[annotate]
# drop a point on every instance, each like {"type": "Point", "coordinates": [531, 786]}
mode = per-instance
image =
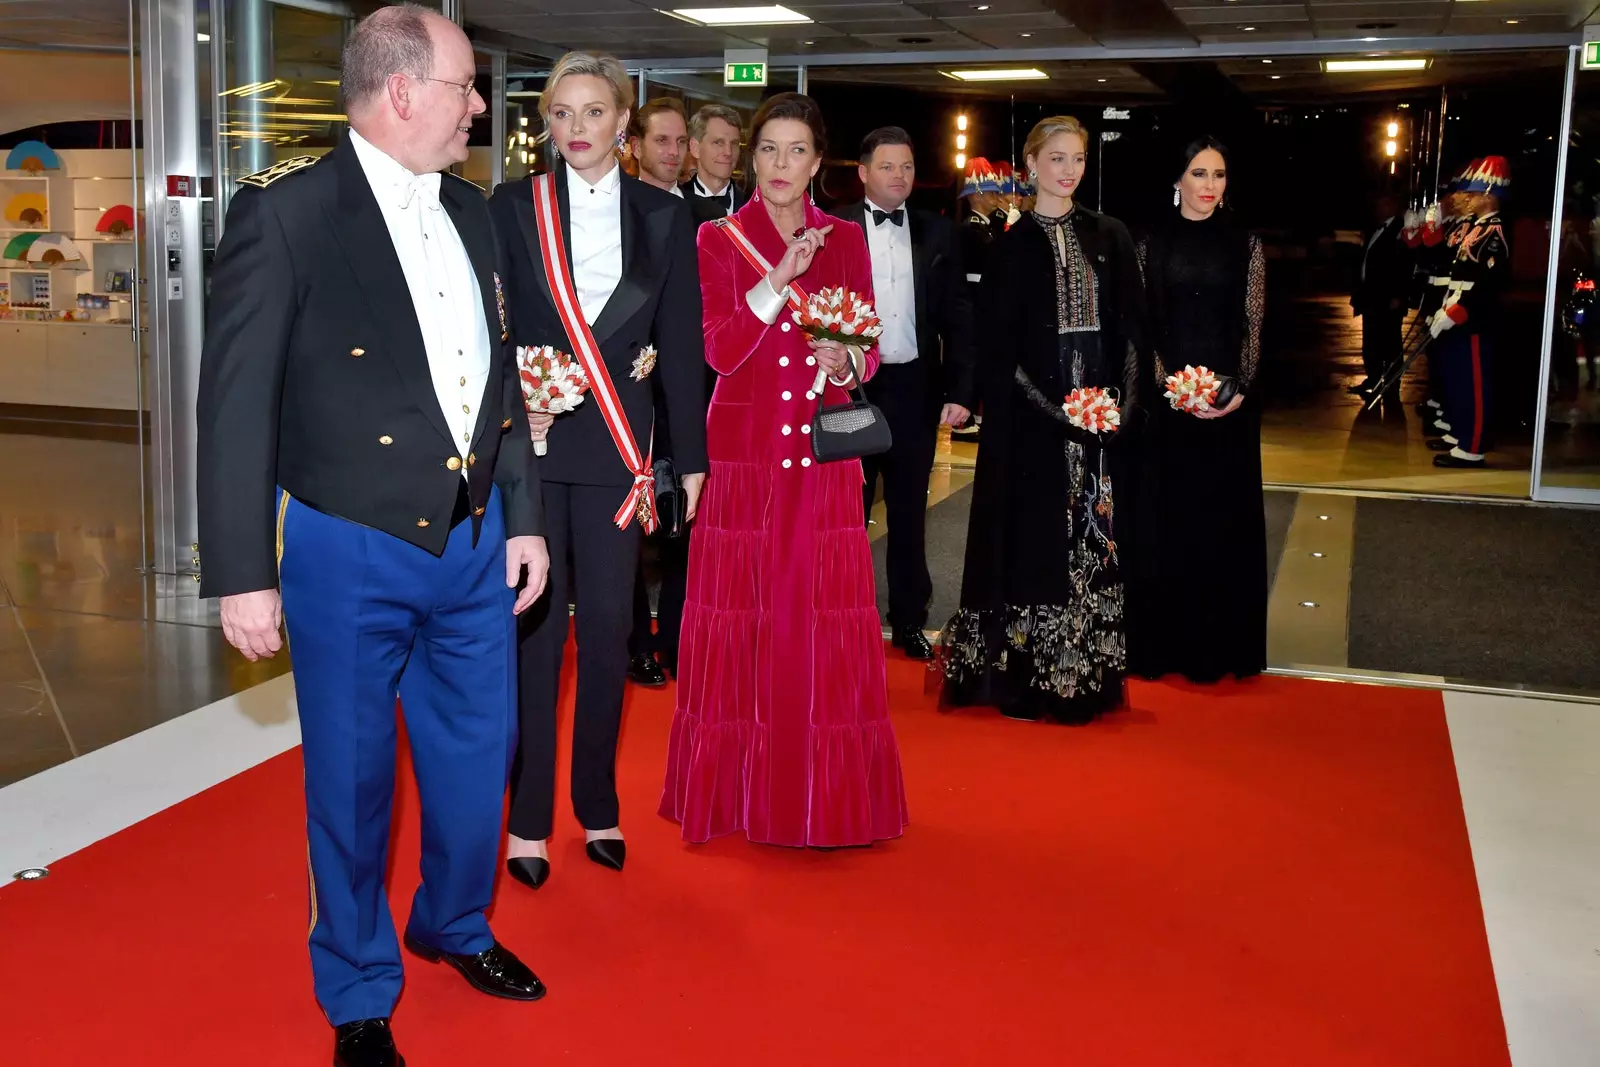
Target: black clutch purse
{"type": "Point", "coordinates": [671, 504]}
{"type": "Point", "coordinates": [850, 430]}
{"type": "Point", "coordinates": [1227, 389]}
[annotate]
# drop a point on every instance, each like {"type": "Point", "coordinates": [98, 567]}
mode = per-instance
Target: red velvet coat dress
{"type": "Point", "coordinates": [782, 727]}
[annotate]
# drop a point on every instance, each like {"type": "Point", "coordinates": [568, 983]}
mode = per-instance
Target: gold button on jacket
{"type": "Point", "coordinates": [454, 463]}
{"type": "Point", "coordinates": [358, 352]}
{"type": "Point", "coordinates": [386, 440]}
{"type": "Point", "coordinates": [422, 523]}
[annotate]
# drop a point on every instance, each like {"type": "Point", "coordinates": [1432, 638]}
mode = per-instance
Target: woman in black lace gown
{"type": "Point", "coordinates": [1197, 585]}
{"type": "Point", "coordinates": [1040, 629]}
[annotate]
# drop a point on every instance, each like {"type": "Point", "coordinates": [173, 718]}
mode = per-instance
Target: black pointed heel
{"type": "Point", "coordinates": [608, 853]}
{"type": "Point", "coordinates": [531, 871]}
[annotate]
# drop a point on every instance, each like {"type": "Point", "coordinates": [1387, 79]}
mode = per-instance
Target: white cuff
{"type": "Point", "coordinates": [765, 301]}
{"type": "Point", "coordinates": [974, 277]}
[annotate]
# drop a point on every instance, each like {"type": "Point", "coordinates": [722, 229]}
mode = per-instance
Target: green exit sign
{"type": "Point", "coordinates": [1591, 55]}
{"type": "Point", "coordinates": [744, 74]}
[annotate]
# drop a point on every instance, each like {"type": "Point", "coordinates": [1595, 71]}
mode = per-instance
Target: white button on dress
{"type": "Point", "coordinates": [785, 327]}
{"type": "Point", "coordinates": [806, 462]}
{"type": "Point", "coordinates": [783, 361]}
{"type": "Point", "coordinates": [787, 395]}
{"type": "Point", "coordinates": [811, 361]}
{"type": "Point", "coordinates": [787, 430]}
{"type": "Point", "coordinates": [788, 463]}
{"type": "Point", "coordinates": [806, 428]}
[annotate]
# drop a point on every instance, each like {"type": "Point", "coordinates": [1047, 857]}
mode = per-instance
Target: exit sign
{"type": "Point", "coordinates": [744, 74]}
{"type": "Point", "coordinates": [1591, 55]}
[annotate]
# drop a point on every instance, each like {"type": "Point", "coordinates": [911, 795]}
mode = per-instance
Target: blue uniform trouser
{"type": "Point", "coordinates": [1467, 362]}
{"type": "Point", "coordinates": [370, 618]}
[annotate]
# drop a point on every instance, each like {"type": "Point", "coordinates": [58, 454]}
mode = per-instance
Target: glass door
{"type": "Point", "coordinates": [1568, 456]}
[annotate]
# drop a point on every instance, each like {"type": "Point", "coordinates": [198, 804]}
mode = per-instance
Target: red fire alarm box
{"type": "Point", "coordinates": [181, 185]}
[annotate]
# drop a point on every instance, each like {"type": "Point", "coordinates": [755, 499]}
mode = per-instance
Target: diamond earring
{"type": "Point", "coordinates": [1177, 198]}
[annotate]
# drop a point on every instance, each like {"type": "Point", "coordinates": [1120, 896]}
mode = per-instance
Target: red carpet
{"type": "Point", "coordinates": [1273, 874]}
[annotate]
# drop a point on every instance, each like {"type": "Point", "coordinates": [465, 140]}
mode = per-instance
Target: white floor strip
{"type": "Point", "coordinates": [71, 806]}
{"type": "Point", "coordinates": [1530, 786]}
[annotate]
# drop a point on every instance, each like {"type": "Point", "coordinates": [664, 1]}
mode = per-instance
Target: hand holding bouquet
{"type": "Point", "coordinates": [840, 316]}
{"type": "Point", "coordinates": [1092, 409]}
{"type": "Point", "coordinates": [1192, 389]}
{"type": "Point", "coordinates": [552, 383]}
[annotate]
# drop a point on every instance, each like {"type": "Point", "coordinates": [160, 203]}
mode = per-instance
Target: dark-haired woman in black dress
{"type": "Point", "coordinates": [1197, 591]}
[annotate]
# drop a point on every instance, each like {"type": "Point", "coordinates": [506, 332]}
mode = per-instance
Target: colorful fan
{"type": "Point", "coordinates": [53, 248]}
{"type": "Point", "coordinates": [28, 209]}
{"type": "Point", "coordinates": [17, 247]}
{"type": "Point", "coordinates": [33, 157]}
{"type": "Point", "coordinates": [117, 221]}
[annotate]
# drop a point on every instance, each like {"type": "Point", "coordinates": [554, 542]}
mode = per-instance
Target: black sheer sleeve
{"type": "Point", "coordinates": [1255, 304]}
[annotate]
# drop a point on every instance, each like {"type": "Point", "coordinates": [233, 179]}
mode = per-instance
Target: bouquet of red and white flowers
{"type": "Point", "coordinates": [1192, 389]}
{"type": "Point", "coordinates": [1092, 409]}
{"type": "Point", "coordinates": [839, 315]}
{"type": "Point", "coordinates": [552, 383]}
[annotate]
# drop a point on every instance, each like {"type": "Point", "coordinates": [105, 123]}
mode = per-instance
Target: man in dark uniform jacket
{"type": "Point", "coordinates": [1380, 297]}
{"type": "Point", "coordinates": [925, 375]}
{"type": "Point", "coordinates": [362, 449]}
{"type": "Point", "coordinates": [714, 135]}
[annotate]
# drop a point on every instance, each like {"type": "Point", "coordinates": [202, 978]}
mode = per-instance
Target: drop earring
{"type": "Point", "coordinates": [1177, 198]}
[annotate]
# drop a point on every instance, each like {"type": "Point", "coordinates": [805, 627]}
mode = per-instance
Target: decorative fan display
{"type": "Point", "coordinates": [116, 221]}
{"type": "Point", "coordinates": [17, 247]}
{"type": "Point", "coordinates": [34, 157]}
{"type": "Point", "coordinates": [53, 248]}
{"type": "Point", "coordinates": [28, 209]}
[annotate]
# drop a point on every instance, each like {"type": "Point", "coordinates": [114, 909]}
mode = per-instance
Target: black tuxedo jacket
{"type": "Point", "coordinates": [314, 377]}
{"type": "Point", "coordinates": [710, 209]}
{"type": "Point", "coordinates": [657, 302]}
{"type": "Point", "coordinates": [943, 303]}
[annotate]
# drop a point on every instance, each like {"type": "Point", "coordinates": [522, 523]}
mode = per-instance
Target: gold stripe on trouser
{"type": "Point", "coordinates": [311, 877]}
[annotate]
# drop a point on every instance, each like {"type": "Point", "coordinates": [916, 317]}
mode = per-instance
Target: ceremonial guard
{"type": "Point", "coordinates": [602, 268]}
{"type": "Point", "coordinates": [360, 448]}
{"type": "Point", "coordinates": [1468, 318]}
{"type": "Point", "coordinates": [1428, 236]}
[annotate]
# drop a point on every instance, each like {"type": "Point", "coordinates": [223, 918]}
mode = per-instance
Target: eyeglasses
{"type": "Point", "coordinates": [466, 88]}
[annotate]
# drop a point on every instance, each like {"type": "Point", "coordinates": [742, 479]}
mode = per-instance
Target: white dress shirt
{"type": "Point", "coordinates": [596, 239]}
{"type": "Point", "coordinates": [444, 287]}
{"type": "Point", "coordinates": [893, 286]}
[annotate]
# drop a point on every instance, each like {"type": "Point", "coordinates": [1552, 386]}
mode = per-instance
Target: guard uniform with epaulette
{"type": "Point", "coordinates": [362, 448]}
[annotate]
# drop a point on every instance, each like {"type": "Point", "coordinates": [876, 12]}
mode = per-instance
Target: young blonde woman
{"type": "Point", "coordinates": [594, 261]}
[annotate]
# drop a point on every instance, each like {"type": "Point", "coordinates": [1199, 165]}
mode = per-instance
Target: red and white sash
{"type": "Point", "coordinates": [640, 502]}
{"type": "Point", "coordinates": [741, 240]}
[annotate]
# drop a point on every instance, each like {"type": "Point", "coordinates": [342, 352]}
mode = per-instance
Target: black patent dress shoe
{"type": "Point", "coordinates": [531, 871]}
{"type": "Point", "coordinates": [913, 642]}
{"type": "Point", "coordinates": [495, 970]}
{"type": "Point", "coordinates": [1448, 460]}
{"type": "Point", "coordinates": [608, 853]}
{"type": "Point", "coordinates": [644, 670]}
{"type": "Point", "coordinates": [365, 1043]}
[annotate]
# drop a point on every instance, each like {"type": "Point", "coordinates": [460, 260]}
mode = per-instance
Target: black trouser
{"type": "Point", "coordinates": [673, 562]}
{"type": "Point", "coordinates": [597, 562]}
{"type": "Point", "coordinates": [1381, 343]}
{"type": "Point", "coordinates": [905, 394]}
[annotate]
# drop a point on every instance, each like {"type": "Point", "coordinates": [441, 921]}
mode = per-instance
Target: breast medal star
{"type": "Point", "coordinates": [644, 363]}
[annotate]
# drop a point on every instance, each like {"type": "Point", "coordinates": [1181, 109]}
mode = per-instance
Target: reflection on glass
{"type": "Point", "coordinates": [1571, 458]}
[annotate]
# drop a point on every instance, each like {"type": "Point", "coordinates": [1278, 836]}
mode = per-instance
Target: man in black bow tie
{"type": "Point", "coordinates": [927, 375]}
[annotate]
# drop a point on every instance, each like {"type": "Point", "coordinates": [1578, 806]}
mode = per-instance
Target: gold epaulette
{"type": "Point", "coordinates": [263, 178]}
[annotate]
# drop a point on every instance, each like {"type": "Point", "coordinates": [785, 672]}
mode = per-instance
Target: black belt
{"type": "Point", "coordinates": [463, 508]}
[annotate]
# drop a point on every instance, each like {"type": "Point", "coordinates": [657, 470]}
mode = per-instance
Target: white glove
{"type": "Point", "coordinates": [1440, 323]}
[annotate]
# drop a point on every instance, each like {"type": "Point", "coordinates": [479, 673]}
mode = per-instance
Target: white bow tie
{"type": "Point", "coordinates": [425, 187]}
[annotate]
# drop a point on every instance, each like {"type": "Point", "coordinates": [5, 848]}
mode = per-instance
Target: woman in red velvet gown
{"type": "Point", "coordinates": [782, 726]}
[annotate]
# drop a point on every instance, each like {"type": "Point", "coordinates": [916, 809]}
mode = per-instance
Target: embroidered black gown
{"type": "Point", "coordinates": [1040, 630]}
{"type": "Point", "coordinates": [1197, 571]}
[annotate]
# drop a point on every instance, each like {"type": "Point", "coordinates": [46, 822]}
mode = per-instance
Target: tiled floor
{"type": "Point", "coordinates": [81, 663]}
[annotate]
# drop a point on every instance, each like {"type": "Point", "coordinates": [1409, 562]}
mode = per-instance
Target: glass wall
{"type": "Point", "coordinates": [1570, 456]}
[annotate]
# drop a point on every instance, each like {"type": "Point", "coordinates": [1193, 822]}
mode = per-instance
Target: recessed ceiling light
{"type": "Point", "coordinates": [1369, 39]}
{"type": "Point", "coordinates": [1358, 66]}
{"type": "Point", "coordinates": [1102, 81]}
{"type": "Point", "coordinates": [1266, 61]}
{"type": "Point", "coordinates": [740, 16]}
{"type": "Point", "coordinates": [1318, 555]}
{"type": "Point", "coordinates": [1025, 35]}
{"type": "Point", "coordinates": [808, 44]}
{"type": "Point", "coordinates": [1277, 77]}
{"type": "Point", "coordinates": [1248, 29]}
{"type": "Point", "coordinates": [980, 7]}
{"type": "Point", "coordinates": [1513, 22]}
{"type": "Point", "coordinates": [1308, 603]}
{"type": "Point", "coordinates": [1004, 74]}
